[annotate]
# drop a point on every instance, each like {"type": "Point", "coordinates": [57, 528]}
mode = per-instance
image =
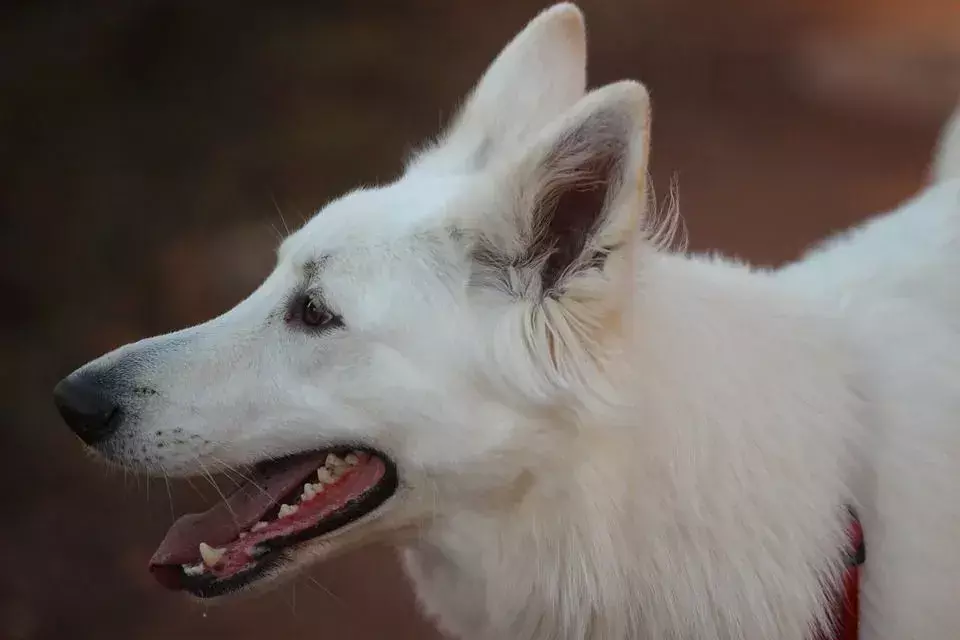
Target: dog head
{"type": "Point", "coordinates": [409, 336]}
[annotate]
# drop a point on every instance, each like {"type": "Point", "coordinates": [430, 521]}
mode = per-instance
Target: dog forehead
{"type": "Point", "coordinates": [387, 219]}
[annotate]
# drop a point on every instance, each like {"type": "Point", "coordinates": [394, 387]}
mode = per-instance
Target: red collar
{"type": "Point", "coordinates": [847, 608]}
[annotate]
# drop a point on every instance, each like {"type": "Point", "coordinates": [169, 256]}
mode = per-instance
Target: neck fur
{"type": "Point", "coordinates": [721, 469]}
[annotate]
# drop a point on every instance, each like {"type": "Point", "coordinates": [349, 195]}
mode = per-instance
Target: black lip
{"type": "Point", "coordinates": [275, 555]}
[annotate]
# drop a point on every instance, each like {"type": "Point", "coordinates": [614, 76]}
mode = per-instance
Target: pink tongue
{"type": "Point", "coordinates": [241, 510]}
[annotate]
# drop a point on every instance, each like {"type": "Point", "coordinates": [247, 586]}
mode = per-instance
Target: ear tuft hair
{"type": "Point", "coordinates": [572, 199]}
{"type": "Point", "coordinates": [583, 170]}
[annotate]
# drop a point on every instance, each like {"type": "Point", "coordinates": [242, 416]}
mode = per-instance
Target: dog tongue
{"type": "Point", "coordinates": [241, 510]}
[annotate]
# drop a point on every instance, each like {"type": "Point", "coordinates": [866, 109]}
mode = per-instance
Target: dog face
{"type": "Point", "coordinates": [409, 335]}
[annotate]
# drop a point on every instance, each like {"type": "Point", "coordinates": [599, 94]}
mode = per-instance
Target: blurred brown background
{"type": "Point", "coordinates": [147, 149]}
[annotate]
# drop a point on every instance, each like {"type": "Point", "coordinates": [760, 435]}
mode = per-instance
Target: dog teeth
{"type": "Point", "coordinates": [260, 525]}
{"type": "Point", "coordinates": [210, 555]}
{"type": "Point", "coordinates": [351, 459]}
{"type": "Point", "coordinates": [193, 570]}
{"type": "Point", "coordinates": [325, 476]}
{"type": "Point", "coordinates": [311, 491]}
{"type": "Point", "coordinates": [243, 534]}
{"type": "Point", "coordinates": [287, 510]}
{"type": "Point", "coordinates": [334, 461]}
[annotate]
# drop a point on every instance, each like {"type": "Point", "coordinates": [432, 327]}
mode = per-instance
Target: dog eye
{"type": "Point", "coordinates": [316, 315]}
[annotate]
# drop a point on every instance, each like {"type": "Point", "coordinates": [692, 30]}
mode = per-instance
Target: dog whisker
{"type": "Point", "coordinates": [216, 487]}
{"type": "Point", "coordinates": [228, 469]}
{"type": "Point", "coordinates": [166, 482]}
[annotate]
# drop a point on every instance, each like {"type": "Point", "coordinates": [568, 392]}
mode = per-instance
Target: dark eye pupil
{"type": "Point", "coordinates": [314, 315]}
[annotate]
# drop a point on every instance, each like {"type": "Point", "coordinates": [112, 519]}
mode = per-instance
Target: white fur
{"type": "Point", "coordinates": [947, 162]}
{"type": "Point", "coordinates": [663, 446]}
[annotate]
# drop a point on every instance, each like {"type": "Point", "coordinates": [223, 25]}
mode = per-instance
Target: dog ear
{"type": "Point", "coordinates": [575, 197]}
{"type": "Point", "coordinates": [536, 77]}
{"type": "Point", "coordinates": [561, 239]}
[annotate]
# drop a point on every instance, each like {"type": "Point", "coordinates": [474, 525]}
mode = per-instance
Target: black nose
{"type": "Point", "coordinates": [86, 407]}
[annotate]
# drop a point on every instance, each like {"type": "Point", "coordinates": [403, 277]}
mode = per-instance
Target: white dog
{"type": "Point", "coordinates": [570, 431]}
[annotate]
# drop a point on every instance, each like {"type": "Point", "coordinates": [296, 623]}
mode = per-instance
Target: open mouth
{"type": "Point", "coordinates": [282, 504]}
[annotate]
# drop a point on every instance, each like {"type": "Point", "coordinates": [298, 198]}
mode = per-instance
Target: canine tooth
{"type": "Point", "coordinates": [260, 525]}
{"type": "Point", "coordinates": [351, 459]}
{"type": "Point", "coordinates": [243, 534]}
{"type": "Point", "coordinates": [333, 461]}
{"type": "Point", "coordinates": [194, 569]}
{"type": "Point", "coordinates": [324, 475]}
{"type": "Point", "coordinates": [210, 555]}
{"type": "Point", "coordinates": [287, 510]}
